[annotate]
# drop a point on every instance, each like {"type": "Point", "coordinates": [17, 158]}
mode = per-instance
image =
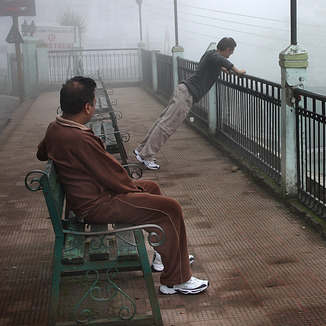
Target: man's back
{"type": "Point", "coordinates": [88, 173]}
{"type": "Point", "coordinates": [209, 69]}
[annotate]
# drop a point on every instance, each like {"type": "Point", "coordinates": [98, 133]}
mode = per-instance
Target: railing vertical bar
{"type": "Point", "coordinates": [313, 152]}
{"type": "Point", "coordinates": [309, 151]}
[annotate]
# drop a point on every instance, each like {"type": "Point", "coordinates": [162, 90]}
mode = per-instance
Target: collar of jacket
{"type": "Point", "coordinates": [70, 123]}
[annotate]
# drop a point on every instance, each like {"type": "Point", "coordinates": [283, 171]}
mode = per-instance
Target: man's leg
{"type": "Point", "coordinates": [143, 143]}
{"type": "Point", "coordinates": [169, 121]}
{"type": "Point", "coordinates": [145, 208]}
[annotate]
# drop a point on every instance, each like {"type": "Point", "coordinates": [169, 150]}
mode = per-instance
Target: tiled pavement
{"type": "Point", "coordinates": [264, 266]}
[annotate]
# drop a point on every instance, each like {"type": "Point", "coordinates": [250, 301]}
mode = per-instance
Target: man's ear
{"type": "Point", "coordinates": [87, 108]}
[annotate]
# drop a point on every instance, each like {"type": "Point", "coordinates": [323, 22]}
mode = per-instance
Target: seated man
{"type": "Point", "coordinates": [99, 190]}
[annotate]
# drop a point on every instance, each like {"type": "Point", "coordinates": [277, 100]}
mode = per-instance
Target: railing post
{"type": "Point", "coordinates": [212, 111]}
{"type": "Point", "coordinates": [140, 61]}
{"type": "Point", "coordinates": [293, 63]}
{"type": "Point", "coordinates": [177, 51]}
{"type": "Point", "coordinates": [30, 66]}
{"type": "Point", "coordinates": [42, 52]}
{"type": "Point", "coordinates": [154, 72]}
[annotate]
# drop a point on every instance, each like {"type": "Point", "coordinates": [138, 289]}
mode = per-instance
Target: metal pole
{"type": "Point", "coordinates": [176, 22]}
{"type": "Point", "coordinates": [139, 2]}
{"type": "Point", "coordinates": [140, 24]}
{"type": "Point", "coordinates": [19, 65]}
{"type": "Point", "coordinates": [294, 22]}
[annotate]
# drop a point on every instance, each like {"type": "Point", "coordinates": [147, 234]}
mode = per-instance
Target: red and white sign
{"type": "Point", "coordinates": [17, 8]}
{"type": "Point", "coordinates": [56, 38]}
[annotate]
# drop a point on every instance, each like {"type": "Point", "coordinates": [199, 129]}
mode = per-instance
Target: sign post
{"type": "Point", "coordinates": [15, 37]}
{"type": "Point", "coordinates": [16, 8]}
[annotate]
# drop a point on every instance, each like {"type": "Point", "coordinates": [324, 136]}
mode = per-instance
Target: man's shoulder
{"type": "Point", "coordinates": [68, 131]}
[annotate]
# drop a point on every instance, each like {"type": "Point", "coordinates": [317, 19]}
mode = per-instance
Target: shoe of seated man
{"type": "Point", "coordinates": [192, 286]}
{"type": "Point", "coordinates": [157, 265]}
{"type": "Point", "coordinates": [137, 153]}
{"type": "Point", "coordinates": [151, 165]}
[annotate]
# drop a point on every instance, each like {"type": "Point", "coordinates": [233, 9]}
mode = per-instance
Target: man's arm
{"type": "Point", "coordinates": [102, 166]}
{"type": "Point", "coordinates": [233, 70]}
{"type": "Point", "coordinates": [237, 71]}
{"type": "Point", "coordinates": [42, 153]}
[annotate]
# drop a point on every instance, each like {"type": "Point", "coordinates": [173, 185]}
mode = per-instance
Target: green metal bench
{"type": "Point", "coordinates": [94, 250]}
{"type": "Point", "coordinates": [112, 138]}
{"type": "Point", "coordinates": [110, 133]}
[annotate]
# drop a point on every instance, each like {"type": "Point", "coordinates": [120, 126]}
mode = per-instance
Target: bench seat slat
{"type": "Point", "coordinates": [99, 246]}
{"type": "Point", "coordinates": [108, 129]}
{"type": "Point", "coordinates": [125, 251]}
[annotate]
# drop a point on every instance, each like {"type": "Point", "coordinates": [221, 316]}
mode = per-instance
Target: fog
{"type": "Point", "coordinates": [260, 28]}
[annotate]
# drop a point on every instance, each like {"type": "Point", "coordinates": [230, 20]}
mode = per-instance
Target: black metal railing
{"type": "Point", "coordinates": [311, 142]}
{"type": "Point", "coordinates": [146, 57]}
{"type": "Point", "coordinates": [165, 74]}
{"type": "Point", "coordinates": [114, 65]}
{"type": "Point", "coordinates": [248, 117]}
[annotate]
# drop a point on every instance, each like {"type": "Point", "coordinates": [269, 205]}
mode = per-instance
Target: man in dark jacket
{"type": "Point", "coordinates": [189, 91]}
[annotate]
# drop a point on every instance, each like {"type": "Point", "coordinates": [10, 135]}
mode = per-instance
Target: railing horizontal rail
{"type": "Point", "coordinates": [114, 65]}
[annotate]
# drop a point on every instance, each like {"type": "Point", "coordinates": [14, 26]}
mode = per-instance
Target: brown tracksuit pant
{"type": "Point", "coordinates": [151, 207]}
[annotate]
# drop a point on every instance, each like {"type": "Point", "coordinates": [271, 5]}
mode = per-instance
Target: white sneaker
{"type": "Point", "coordinates": [137, 153]}
{"type": "Point", "coordinates": [149, 164]}
{"type": "Point", "coordinates": [157, 265]}
{"type": "Point", "coordinates": [192, 286]}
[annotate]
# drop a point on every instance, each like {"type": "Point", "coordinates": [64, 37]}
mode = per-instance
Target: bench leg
{"type": "Point", "coordinates": [56, 273]}
{"type": "Point", "coordinates": [148, 277]}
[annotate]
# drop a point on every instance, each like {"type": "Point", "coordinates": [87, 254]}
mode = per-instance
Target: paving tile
{"type": "Point", "coordinates": [265, 267]}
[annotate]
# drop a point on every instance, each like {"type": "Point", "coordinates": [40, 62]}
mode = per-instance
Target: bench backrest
{"type": "Point", "coordinates": [54, 196]}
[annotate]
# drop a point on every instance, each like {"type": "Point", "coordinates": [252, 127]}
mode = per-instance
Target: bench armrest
{"type": "Point", "coordinates": [155, 237]}
{"type": "Point", "coordinates": [125, 136]}
{"type": "Point", "coordinates": [134, 171]}
{"type": "Point", "coordinates": [101, 114]}
{"type": "Point", "coordinates": [34, 184]}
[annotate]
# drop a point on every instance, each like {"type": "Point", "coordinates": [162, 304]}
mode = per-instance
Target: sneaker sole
{"type": "Point", "coordinates": [155, 270]}
{"type": "Point", "coordinates": [171, 291]}
{"type": "Point", "coordinates": [137, 154]}
{"type": "Point", "coordinates": [151, 168]}
{"type": "Point", "coordinates": [194, 291]}
{"type": "Point", "coordinates": [143, 161]}
{"type": "Point", "coordinates": [168, 291]}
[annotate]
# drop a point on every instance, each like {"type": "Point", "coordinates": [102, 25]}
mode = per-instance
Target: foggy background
{"type": "Point", "coordinates": [260, 28]}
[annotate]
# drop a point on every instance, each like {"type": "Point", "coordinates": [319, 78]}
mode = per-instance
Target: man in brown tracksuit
{"type": "Point", "coordinates": [99, 190]}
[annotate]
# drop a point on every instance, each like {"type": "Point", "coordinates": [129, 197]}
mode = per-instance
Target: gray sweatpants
{"type": "Point", "coordinates": [167, 123]}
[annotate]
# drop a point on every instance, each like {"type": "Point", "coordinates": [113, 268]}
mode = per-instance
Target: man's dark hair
{"type": "Point", "coordinates": [76, 93]}
{"type": "Point", "coordinates": [226, 42]}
